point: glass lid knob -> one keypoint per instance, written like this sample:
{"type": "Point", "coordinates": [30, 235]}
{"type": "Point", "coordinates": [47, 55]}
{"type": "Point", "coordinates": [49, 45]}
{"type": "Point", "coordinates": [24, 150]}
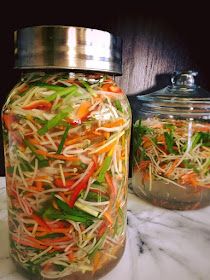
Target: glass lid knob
{"type": "Point", "coordinates": [184, 79]}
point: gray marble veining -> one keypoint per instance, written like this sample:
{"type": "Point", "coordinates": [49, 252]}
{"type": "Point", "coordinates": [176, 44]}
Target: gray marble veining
{"type": "Point", "coordinates": [161, 244]}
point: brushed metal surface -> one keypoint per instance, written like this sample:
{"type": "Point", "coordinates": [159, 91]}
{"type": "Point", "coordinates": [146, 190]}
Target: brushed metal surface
{"type": "Point", "coordinates": [67, 47]}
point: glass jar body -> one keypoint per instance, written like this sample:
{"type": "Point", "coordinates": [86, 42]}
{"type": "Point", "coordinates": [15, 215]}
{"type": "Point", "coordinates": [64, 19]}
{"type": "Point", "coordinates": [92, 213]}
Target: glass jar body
{"type": "Point", "coordinates": [171, 158]}
{"type": "Point", "coordinates": [66, 143]}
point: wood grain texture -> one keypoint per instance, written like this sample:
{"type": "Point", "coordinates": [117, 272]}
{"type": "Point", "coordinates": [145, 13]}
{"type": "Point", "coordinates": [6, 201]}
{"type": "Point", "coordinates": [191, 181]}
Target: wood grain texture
{"type": "Point", "coordinates": [153, 47]}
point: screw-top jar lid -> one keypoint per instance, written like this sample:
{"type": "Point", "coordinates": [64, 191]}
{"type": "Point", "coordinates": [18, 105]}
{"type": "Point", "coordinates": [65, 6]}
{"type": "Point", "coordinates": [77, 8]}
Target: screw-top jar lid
{"type": "Point", "coordinates": [183, 96]}
{"type": "Point", "coordinates": [67, 47]}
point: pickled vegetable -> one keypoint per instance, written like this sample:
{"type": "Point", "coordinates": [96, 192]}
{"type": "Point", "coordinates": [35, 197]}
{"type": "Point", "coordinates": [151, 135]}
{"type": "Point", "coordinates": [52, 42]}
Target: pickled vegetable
{"type": "Point", "coordinates": [66, 151]}
{"type": "Point", "coordinates": [171, 162]}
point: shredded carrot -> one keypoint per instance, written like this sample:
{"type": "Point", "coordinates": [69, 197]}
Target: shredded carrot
{"type": "Point", "coordinates": [71, 256]}
{"type": "Point", "coordinates": [111, 187]}
{"type": "Point", "coordinates": [114, 123]}
{"type": "Point", "coordinates": [8, 120]}
{"type": "Point", "coordinates": [39, 185]}
{"type": "Point", "coordinates": [102, 229]}
{"type": "Point", "coordinates": [29, 243]}
{"type": "Point", "coordinates": [79, 139]}
{"type": "Point", "coordinates": [145, 176]}
{"type": "Point", "coordinates": [96, 261]}
{"type": "Point", "coordinates": [190, 179]}
{"type": "Point", "coordinates": [172, 168]}
{"type": "Point", "coordinates": [34, 141]}
{"type": "Point", "coordinates": [161, 139]}
{"type": "Point", "coordinates": [108, 217]}
{"type": "Point", "coordinates": [144, 164]}
{"type": "Point", "coordinates": [62, 157]}
{"type": "Point", "coordinates": [106, 87]}
{"type": "Point", "coordinates": [83, 110]}
{"type": "Point", "coordinates": [147, 142]}
{"type": "Point", "coordinates": [107, 148]}
{"type": "Point", "coordinates": [61, 194]}
{"type": "Point", "coordinates": [38, 178]}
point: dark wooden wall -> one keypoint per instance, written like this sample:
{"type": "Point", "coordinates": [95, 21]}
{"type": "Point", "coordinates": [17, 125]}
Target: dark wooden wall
{"type": "Point", "coordinates": [156, 41]}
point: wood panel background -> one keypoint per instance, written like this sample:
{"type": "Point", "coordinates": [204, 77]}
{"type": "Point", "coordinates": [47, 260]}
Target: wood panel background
{"type": "Point", "coordinates": [155, 43]}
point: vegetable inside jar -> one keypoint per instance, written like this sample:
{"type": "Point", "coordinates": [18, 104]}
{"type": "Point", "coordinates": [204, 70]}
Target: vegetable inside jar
{"type": "Point", "coordinates": [171, 145]}
{"type": "Point", "coordinates": [66, 142]}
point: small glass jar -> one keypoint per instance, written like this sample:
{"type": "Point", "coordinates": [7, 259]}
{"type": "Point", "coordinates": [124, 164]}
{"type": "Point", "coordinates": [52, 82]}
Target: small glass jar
{"type": "Point", "coordinates": [171, 145]}
{"type": "Point", "coordinates": [66, 143]}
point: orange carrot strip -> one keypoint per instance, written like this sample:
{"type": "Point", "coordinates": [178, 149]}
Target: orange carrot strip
{"type": "Point", "coordinates": [111, 188]}
{"type": "Point", "coordinates": [8, 120]}
{"type": "Point", "coordinates": [114, 123]}
{"type": "Point", "coordinates": [108, 217]}
{"type": "Point", "coordinates": [71, 256]}
{"type": "Point", "coordinates": [29, 243]}
{"type": "Point", "coordinates": [102, 229]}
{"type": "Point", "coordinates": [83, 110]}
{"type": "Point", "coordinates": [171, 169]}
{"type": "Point", "coordinates": [190, 179]}
{"type": "Point", "coordinates": [62, 157]}
{"type": "Point", "coordinates": [107, 148]}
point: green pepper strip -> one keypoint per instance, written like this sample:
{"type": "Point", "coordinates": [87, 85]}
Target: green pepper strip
{"type": "Point", "coordinates": [118, 105]}
{"type": "Point", "coordinates": [63, 92]}
{"type": "Point", "coordinates": [10, 170]}
{"type": "Point", "coordinates": [45, 257]}
{"type": "Point", "coordinates": [53, 122]}
{"type": "Point", "coordinates": [170, 142]}
{"type": "Point", "coordinates": [87, 86]}
{"type": "Point", "coordinates": [104, 168]}
{"type": "Point", "coordinates": [52, 214]}
{"type": "Point", "coordinates": [72, 211]}
{"type": "Point", "coordinates": [51, 87]}
{"type": "Point", "coordinates": [92, 196]}
{"type": "Point", "coordinates": [25, 166]}
{"type": "Point", "coordinates": [33, 149]}
{"type": "Point", "coordinates": [60, 147]}
{"type": "Point", "coordinates": [98, 245]}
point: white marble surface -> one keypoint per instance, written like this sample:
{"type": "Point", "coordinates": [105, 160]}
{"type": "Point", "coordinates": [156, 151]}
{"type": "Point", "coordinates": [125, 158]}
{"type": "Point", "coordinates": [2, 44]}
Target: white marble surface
{"type": "Point", "coordinates": [161, 244]}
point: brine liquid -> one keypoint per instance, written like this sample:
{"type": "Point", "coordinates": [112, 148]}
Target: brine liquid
{"type": "Point", "coordinates": [169, 195]}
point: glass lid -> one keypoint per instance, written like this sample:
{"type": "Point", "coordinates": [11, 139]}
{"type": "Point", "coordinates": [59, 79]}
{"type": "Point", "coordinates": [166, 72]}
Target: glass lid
{"type": "Point", "coordinates": [182, 95]}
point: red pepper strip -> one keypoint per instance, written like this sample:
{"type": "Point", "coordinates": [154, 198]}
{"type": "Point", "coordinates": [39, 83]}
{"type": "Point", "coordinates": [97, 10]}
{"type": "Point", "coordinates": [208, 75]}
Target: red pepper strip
{"type": "Point", "coordinates": [111, 188]}
{"type": "Point", "coordinates": [41, 222]}
{"type": "Point", "coordinates": [39, 104]}
{"type": "Point", "coordinates": [73, 122]}
{"type": "Point", "coordinates": [59, 183]}
{"type": "Point", "coordinates": [81, 185]}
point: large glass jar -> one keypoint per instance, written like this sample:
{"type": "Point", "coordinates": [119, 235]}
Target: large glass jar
{"type": "Point", "coordinates": [66, 143]}
{"type": "Point", "coordinates": [171, 145]}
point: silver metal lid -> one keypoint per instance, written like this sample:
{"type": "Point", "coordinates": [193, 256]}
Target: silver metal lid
{"type": "Point", "coordinates": [67, 47]}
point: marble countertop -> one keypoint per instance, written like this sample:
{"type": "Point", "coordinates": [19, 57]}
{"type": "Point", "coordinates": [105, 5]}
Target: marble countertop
{"type": "Point", "coordinates": [161, 244]}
